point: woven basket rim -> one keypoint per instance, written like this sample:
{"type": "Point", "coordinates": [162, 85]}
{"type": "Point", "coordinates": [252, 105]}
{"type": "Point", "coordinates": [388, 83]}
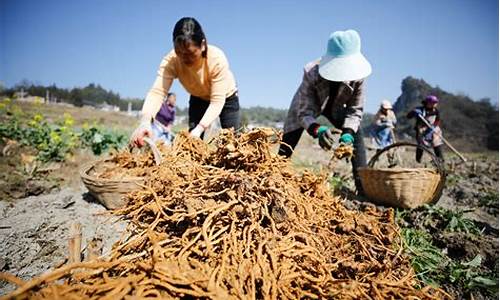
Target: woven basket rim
{"type": "Point", "coordinates": [382, 185]}
{"type": "Point", "coordinates": [88, 166]}
{"type": "Point", "coordinates": [399, 170]}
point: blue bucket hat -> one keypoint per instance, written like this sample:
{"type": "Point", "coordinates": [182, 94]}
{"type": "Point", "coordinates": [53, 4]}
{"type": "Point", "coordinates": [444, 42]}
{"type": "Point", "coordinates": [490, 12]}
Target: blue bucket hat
{"type": "Point", "coordinates": [343, 60]}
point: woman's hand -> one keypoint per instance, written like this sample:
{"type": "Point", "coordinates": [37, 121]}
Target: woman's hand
{"type": "Point", "coordinates": [325, 137]}
{"type": "Point", "coordinates": [197, 131]}
{"type": "Point", "coordinates": [168, 128]}
{"type": "Point", "coordinates": [144, 130]}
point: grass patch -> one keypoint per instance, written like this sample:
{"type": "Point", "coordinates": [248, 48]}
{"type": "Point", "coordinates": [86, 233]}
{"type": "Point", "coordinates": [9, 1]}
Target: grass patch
{"type": "Point", "coordinates": [430, 263]}
{"type": "Point", "coordinates": [427, 260]}
{"type": "Point", "coordinates": [337, 183]}
{"type": "Point", "coordinates": [490, 200]}
{"type": "Point", "coordinates": [431, 217]}
{"type": "Point", "coordinates": [452, 179]}
{"type": "Point", "coordinates": [433, 267]}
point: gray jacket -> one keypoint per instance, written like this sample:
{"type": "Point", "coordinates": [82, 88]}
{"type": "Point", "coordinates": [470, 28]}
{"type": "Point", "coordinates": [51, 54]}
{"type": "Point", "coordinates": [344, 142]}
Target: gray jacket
{"type": "Point", "coordinates": [312, 96]}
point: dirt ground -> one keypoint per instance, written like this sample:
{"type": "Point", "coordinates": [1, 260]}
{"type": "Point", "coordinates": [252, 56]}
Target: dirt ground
{"type": "Point", "coordinates": [34, 231]}
{"type": "Point", "coordinates": [39, 202]}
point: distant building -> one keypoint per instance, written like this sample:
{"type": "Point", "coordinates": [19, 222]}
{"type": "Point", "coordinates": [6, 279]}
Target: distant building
{"type": "Point", "coordinates": [107, 107]}
{"type": "Point", "coordinates": [134, 113]}
{"type": "Point", "coordinates": [25, 97]}
{"type": "Point", "coordinates": [28, 98]}
{"type": "Point", "coordinates": [64, 104]}
{"type": "Point", "coordinates": [20, 95]}
{"type": "Point", "coordinates": [180, 120]}
{"type": "Point", "coordinates": [279, 125]}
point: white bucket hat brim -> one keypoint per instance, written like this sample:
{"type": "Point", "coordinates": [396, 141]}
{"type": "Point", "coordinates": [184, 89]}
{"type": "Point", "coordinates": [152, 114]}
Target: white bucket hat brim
{"type": "Point", "coordinates": [386, 104]}
{"type": "Point", "coordinates": [344, 68]}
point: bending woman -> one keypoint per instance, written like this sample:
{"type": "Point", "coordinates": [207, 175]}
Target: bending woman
{"type": "Point", "coordinates": [204, 72]}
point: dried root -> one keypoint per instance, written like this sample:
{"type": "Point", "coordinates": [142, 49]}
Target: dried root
{"type": "Point", "coordinates": [235, 221]}
{"type": "Point", "coordinates": [343, 151]}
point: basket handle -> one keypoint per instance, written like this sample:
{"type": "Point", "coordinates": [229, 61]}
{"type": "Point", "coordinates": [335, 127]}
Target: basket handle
{"type": "Point", "coordinates": [437, 163]}
{"type": "Point", "coordinates": [153, 148]}
{"type": "Point", "coordinates": [435, 160]}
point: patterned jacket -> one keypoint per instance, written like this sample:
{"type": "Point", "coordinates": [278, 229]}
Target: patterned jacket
{"type": "Point", "coordinates": [313, 95]}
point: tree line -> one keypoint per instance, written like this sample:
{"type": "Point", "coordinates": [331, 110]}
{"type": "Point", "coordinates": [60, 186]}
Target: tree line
{"type": "Point", "coordinates": [93, 95]}
{"type": "Point", "coordinates": [473, 124]}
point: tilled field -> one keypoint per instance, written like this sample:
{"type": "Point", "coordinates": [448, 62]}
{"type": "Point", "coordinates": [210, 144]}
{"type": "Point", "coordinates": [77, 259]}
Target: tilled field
{"type": "Point", "coordinates": [231, 220]}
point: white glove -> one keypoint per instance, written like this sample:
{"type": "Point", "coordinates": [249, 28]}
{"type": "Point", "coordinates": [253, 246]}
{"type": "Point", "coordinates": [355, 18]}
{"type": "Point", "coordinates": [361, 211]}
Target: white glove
{"type": "Point", "coordinates": [197, 131]}
{"type": "Point", "coordinates": [144, 130]}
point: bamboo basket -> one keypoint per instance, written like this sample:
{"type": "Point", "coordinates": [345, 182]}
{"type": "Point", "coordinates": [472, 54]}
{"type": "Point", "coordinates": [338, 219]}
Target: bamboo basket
{"type": "Point", "coordinates": [109, 192]}
{"type": "Point", "coordinates": [403, 187]}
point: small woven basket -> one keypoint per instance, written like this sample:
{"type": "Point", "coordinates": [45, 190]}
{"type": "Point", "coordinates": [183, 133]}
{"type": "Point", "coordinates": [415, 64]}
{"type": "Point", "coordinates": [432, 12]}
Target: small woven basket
{"type": "Point", "coordinates": [403, 187]}
{"type": "Point", "coordinates": [111, 192]}
{"type": "Point", "coordinates": [108, 192]}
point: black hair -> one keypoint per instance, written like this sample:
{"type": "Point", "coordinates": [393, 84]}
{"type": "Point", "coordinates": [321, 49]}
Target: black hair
{"type": "Point", "coordinates": [188, 29]}
{"type": "Point", "coordinates": [171, 94]}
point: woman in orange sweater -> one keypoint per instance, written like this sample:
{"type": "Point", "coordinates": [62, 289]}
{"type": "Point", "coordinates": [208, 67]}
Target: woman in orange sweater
{"type": "Point", "coordinates": [203, 71]}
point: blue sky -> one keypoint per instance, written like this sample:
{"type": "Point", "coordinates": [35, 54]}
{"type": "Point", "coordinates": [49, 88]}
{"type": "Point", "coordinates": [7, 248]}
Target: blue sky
{"type": "Point", "coordinates": [120, 43]}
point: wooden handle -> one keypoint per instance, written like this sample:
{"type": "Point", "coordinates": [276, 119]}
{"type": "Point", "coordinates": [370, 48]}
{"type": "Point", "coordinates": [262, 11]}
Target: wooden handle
{"type": "Point", "coordinates": [75, 242]}
{"type": "Point", "coordinates": [444, 140]}
{"type": "Point", "coordinates": [154, 149]}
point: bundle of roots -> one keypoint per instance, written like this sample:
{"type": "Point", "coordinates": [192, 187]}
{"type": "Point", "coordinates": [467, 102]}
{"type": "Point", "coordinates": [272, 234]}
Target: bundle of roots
{"type": "Point", "coordinates": [232, 220]}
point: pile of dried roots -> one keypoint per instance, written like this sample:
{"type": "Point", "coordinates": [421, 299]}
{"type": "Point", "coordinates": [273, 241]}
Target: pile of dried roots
{"type": "Point", "coordinates": [232, 220]}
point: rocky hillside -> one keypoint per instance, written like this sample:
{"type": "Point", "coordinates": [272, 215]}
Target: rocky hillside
{"type": "Point", "coordinates": [470, 125]}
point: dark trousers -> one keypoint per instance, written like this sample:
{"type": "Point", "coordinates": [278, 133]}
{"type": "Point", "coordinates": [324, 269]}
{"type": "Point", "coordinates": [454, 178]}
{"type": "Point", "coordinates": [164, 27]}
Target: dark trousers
{"type": "Point", "coordinates": [359, 160]}
{"type": "Point", "coordinates": [437, 150]}
{"type": "Point", "coordinates": [229, 116]}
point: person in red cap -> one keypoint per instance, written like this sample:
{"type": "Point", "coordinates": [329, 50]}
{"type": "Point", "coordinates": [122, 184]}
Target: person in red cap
{"type": "Point", "coordinates": [425, 135]}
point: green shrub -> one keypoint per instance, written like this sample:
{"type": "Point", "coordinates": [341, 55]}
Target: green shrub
{"type": "Point", "coordinates": [100, 140]}
{"type": "Point", "coordinates": [54, 141]}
